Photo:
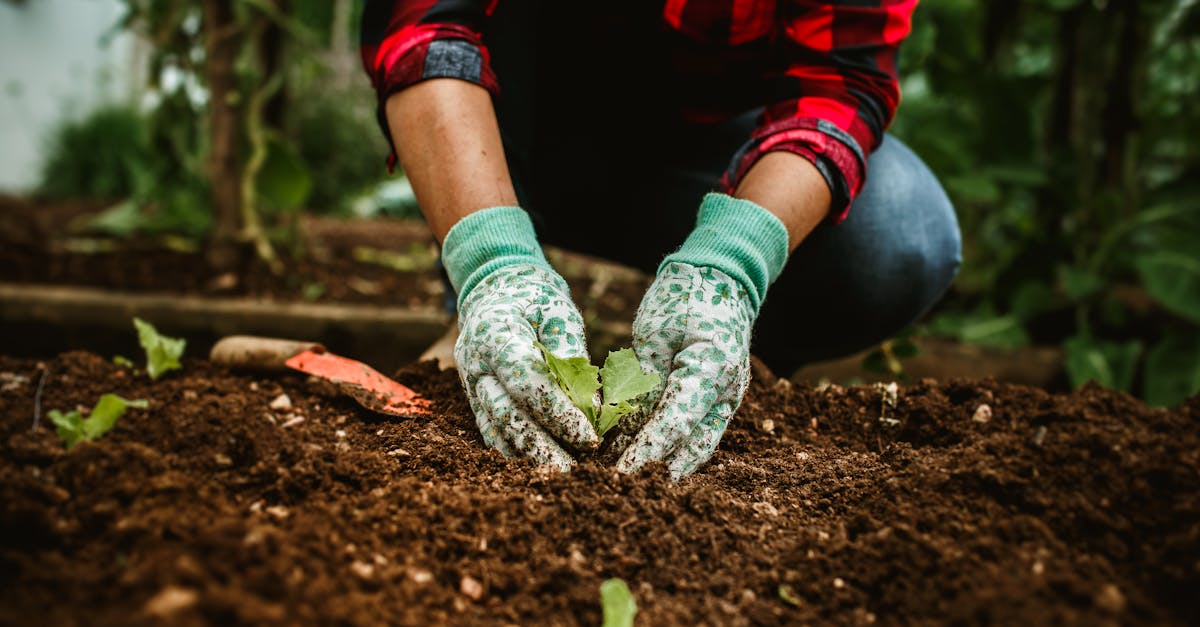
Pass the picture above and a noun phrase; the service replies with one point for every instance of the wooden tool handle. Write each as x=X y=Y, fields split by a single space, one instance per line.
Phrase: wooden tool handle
x=259 y=353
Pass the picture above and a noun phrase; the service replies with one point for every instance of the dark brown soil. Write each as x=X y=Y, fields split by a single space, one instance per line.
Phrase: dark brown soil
x=1080 y=509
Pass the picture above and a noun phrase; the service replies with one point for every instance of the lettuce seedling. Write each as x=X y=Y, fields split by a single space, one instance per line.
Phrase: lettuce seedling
x=162 y=352
x=617 y=604
x=73 y=428
x=621 y=380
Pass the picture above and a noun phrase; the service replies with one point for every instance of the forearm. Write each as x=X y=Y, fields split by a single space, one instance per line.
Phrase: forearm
x=791 y=188
x=448 y=143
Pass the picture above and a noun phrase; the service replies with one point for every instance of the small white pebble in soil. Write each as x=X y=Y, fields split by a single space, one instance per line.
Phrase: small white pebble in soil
x=838 y=583
x=292 y=420
x=379 y=560
x=399 y=452
x=222 y=460
x=379 y=432
x=1110 y=599
x=802 y=456
x=253 y=386
x=278 y=512
x=471 y=588
x=283 y=401
x=765 y=508
x=983 y=413
x=420 y=576
x=362 y=570
x=341 y=433
x=1038 y=568
x=270 y=418
x=170 y=601
x=768 y=425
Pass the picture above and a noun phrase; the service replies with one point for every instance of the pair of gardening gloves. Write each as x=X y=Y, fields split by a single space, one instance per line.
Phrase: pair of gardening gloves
x=692 y=329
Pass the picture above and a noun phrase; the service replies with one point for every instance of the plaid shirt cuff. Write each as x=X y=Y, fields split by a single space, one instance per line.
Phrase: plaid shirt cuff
x=417 y=53
x=834 y=152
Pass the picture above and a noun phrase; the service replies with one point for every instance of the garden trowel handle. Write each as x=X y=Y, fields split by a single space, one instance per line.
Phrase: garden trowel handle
x=259 y=353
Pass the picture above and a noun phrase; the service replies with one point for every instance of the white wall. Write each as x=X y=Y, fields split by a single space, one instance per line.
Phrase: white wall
x=58 y=59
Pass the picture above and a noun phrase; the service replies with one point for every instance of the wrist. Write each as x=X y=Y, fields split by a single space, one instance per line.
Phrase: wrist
x=487 y=240
x=739 y=238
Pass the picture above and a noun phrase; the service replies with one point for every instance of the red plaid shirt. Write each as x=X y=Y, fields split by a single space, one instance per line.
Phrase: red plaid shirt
x=828 y=78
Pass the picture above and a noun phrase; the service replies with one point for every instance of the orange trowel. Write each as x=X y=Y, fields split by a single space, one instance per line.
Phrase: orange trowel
x=354 y=378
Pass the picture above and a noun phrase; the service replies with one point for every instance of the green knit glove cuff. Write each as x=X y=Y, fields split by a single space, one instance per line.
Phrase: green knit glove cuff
x=487 y=240
x=738 y=238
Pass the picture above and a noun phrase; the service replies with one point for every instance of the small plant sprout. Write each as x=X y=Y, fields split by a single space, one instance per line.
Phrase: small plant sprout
x=617 y=604
x=73 y=428
x=621 y=380
x=162 y=352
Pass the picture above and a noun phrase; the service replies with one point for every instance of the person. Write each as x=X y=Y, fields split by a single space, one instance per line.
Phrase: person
x=607 y=125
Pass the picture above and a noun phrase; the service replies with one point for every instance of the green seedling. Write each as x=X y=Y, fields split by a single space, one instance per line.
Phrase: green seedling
x=123 y=362
x=162 y=352
x=617 y=604
x=621 y=380
x=73 y=428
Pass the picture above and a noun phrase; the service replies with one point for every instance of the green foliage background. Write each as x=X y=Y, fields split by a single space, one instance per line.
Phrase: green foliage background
x=1066 y=133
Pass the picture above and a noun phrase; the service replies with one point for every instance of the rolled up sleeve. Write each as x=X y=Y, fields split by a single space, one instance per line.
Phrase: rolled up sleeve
x=837 y=94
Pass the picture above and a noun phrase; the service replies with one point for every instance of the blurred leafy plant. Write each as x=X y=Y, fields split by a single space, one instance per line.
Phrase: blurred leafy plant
x=1058 y=128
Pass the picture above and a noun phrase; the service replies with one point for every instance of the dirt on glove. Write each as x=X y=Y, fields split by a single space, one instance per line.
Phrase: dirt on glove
x=967 y=503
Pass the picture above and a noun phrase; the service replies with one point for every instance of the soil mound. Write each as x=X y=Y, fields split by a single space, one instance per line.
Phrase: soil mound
x=821 y=506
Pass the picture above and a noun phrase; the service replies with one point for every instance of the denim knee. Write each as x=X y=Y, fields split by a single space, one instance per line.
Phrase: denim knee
x=850 y=286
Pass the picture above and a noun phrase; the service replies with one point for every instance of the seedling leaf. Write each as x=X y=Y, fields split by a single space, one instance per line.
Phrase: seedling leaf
x=162 y=352
x=610 y=415
x=577 y=377
x=73 y=428
x=617 y=604
x=623 y=379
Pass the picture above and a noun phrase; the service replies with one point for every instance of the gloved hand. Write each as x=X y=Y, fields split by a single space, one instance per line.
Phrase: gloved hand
x=509 y=298
x=693 y=329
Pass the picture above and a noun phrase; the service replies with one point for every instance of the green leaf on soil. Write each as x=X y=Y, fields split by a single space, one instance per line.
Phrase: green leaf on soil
x=789 y=597
x=123 y=361
x=577 y=377
x=617 y=603
x=162 y=352
x=73 y=428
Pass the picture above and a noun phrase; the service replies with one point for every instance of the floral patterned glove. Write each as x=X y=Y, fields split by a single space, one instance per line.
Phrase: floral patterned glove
x=693 y=329
x=510 y=298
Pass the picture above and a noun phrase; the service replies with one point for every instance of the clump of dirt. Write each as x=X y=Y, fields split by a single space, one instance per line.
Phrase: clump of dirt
x=821 y=506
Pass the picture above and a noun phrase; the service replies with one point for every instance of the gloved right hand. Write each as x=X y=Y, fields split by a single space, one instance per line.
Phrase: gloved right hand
x=509 y=298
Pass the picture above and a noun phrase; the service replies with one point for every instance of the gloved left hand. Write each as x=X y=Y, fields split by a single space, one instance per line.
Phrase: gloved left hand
x=693 y=329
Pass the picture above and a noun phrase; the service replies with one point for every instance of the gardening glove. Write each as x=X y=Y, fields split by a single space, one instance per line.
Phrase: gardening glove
x=509 y=298
x=693 y=330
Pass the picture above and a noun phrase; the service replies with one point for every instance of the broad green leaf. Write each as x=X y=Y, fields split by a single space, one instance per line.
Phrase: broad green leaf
x=73 y=428
x=617 y=604
x=1173 y=279
x=162 y=352
x=1173 y=369
x=610 y=415
x=623 y=379
x=1110 y=364
x=577 y=377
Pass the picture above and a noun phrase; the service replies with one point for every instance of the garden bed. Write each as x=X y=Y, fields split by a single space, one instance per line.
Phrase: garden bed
x=821 y=506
